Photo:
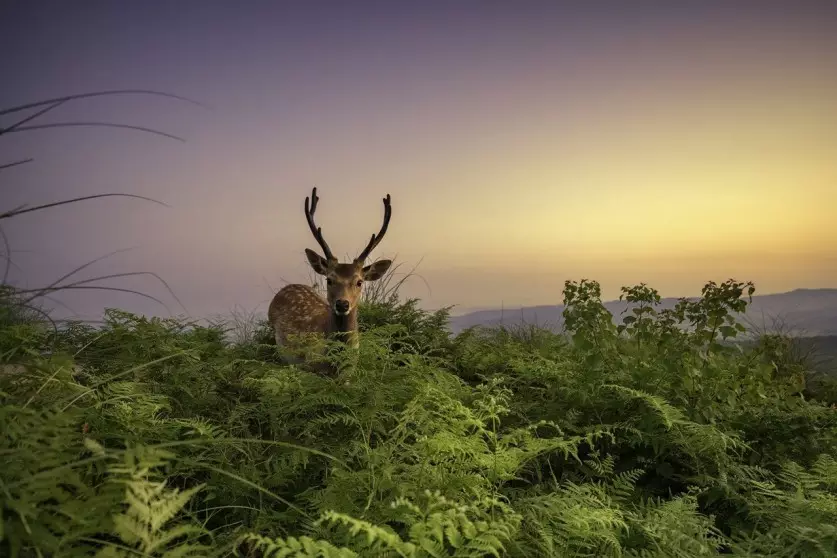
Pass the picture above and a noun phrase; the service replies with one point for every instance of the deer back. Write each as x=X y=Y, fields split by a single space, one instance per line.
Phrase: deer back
x=297 y=309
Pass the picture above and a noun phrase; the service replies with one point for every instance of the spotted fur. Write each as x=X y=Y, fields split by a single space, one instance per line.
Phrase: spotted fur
x=297 y=312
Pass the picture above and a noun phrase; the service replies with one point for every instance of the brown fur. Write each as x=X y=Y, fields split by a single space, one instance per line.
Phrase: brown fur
x=311 y=313
x=298 y=313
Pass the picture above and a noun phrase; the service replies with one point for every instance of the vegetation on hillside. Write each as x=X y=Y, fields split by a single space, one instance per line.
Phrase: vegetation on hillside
x=153 y=437
x=652 y=438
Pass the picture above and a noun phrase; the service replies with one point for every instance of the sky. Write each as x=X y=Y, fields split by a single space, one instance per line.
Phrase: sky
x=523 y=144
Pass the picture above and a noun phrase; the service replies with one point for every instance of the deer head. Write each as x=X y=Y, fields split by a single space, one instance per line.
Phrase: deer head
x=344 y=281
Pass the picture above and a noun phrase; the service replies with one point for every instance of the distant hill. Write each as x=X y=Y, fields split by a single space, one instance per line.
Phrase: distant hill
x=802 y=312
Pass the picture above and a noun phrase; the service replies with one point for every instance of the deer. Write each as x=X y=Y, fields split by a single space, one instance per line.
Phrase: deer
x=298 y=310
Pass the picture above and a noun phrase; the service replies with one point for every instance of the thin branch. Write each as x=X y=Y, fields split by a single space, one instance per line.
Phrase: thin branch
x=98 y=94
x=20 y=210
x=15 y=211
x=55 y=283
x=11 y=262
x=31 y=117
x=56 y=287
x=103 y=288
x=96 y=124
x=59 y=303
x=16 y=163
x=37 y=310
x=412 y=273
x=8 y=248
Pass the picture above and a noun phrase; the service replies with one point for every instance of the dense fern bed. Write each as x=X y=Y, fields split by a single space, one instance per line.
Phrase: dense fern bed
x=149 y=437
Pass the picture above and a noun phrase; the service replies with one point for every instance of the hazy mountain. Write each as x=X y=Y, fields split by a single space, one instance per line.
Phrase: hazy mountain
x=803 y=311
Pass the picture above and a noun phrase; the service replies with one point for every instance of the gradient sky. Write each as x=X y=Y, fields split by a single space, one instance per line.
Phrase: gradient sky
x=523 y=143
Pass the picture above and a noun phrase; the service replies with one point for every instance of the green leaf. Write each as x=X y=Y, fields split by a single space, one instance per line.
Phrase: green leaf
x=95 y=447
x=728 y=331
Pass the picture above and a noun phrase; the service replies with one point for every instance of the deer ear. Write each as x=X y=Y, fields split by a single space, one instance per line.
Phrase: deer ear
x=376 y=270
x=318 y=263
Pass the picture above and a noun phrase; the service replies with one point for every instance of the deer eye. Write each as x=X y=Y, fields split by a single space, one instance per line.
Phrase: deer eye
x=329 y=281
x=359 y=283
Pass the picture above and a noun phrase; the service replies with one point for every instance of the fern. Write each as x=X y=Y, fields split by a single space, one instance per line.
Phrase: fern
x=292 y=547
x=657 y=437
x=150 y=506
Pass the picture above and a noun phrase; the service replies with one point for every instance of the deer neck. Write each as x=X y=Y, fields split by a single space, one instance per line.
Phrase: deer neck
x=343 y=327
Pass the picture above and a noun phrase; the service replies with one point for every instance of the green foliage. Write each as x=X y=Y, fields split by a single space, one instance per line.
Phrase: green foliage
x=657 y=436
x=411 y=329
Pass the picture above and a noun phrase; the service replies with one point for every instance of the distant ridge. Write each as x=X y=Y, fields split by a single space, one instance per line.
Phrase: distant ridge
x=805 y=312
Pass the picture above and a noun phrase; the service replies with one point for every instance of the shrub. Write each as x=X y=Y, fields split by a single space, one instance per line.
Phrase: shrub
x=651 y=438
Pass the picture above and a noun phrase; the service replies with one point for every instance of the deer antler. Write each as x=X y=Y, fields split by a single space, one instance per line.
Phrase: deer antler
x=310 y=208
x=376 y=238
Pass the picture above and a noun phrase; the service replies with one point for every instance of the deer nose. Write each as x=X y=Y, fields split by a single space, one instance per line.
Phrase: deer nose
x=342 y=306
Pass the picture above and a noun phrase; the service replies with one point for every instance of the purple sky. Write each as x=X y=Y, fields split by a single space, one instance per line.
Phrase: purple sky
x=523 y=143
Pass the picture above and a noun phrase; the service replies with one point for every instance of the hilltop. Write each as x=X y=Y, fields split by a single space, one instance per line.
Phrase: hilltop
x=161 y=438
x=805 y=312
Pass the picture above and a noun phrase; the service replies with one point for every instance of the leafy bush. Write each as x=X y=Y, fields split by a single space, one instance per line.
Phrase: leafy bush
x=656 y=437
